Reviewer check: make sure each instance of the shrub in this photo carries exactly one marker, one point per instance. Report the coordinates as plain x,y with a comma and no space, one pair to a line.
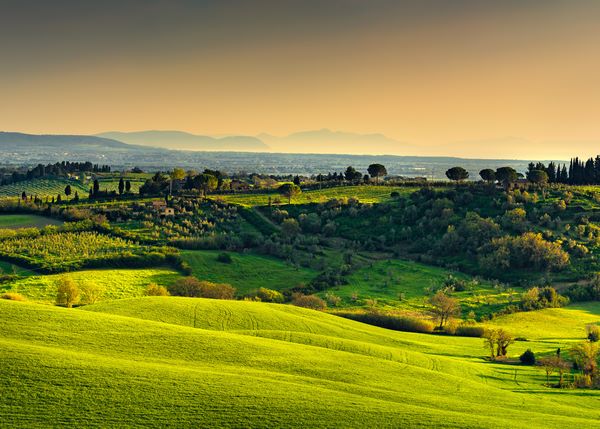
155,290
269,295
13,296
225,258
67,292
470,331
192,287
593,332
527,358
390,321
308,301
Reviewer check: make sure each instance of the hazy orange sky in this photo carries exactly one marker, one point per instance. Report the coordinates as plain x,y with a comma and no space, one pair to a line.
475,78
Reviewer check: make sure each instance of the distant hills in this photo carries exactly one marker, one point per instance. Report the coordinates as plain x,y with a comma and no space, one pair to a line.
331,142
180,140
18,142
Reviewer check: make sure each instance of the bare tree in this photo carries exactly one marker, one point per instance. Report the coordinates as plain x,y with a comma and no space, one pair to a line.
444,307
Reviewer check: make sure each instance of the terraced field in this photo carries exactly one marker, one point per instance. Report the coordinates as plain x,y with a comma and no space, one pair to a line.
194,362
365,194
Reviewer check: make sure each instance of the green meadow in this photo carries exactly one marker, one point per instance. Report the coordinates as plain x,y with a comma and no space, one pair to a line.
364,193
159,362
247,271
114,284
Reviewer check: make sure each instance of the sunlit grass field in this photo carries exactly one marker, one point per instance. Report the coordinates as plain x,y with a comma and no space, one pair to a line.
365,194
115,284
195,362
247,271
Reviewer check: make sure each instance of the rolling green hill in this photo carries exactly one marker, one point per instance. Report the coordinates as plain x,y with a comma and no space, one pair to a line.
265,366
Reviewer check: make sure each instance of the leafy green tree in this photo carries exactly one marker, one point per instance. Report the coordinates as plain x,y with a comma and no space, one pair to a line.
376,171
207,182
488,175
538,177
67,292
289,190
352,175
507,176
457,174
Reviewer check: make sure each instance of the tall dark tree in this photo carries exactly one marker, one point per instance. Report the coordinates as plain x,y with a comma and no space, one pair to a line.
376,171
507,176
128,186
457,174
96,189
121,186
488,175
68,191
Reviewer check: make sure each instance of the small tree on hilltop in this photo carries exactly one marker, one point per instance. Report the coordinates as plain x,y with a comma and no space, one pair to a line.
444,307
457,174
289,190
376,171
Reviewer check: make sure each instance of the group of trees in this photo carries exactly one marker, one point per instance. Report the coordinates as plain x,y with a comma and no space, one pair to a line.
578,172
179,180
59,169
351,175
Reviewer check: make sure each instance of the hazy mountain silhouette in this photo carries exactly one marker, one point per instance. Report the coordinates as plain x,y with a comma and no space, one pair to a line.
328,141
185,141
11,141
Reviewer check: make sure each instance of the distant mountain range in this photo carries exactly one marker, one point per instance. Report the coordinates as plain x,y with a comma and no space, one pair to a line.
180,140
317,141
18,142
331,142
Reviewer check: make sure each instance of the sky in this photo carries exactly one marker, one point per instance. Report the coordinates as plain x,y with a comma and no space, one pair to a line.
473,78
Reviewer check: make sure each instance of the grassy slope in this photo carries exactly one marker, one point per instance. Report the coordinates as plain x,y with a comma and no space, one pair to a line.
366,194
116,283
385,280
88,368
14,221
247,271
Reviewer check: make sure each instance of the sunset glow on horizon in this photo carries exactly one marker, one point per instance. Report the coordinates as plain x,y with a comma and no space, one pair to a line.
488,79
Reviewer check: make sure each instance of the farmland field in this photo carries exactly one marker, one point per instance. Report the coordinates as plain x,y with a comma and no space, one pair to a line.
14,221
365,194
246,272
66,249
44,188
301,368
